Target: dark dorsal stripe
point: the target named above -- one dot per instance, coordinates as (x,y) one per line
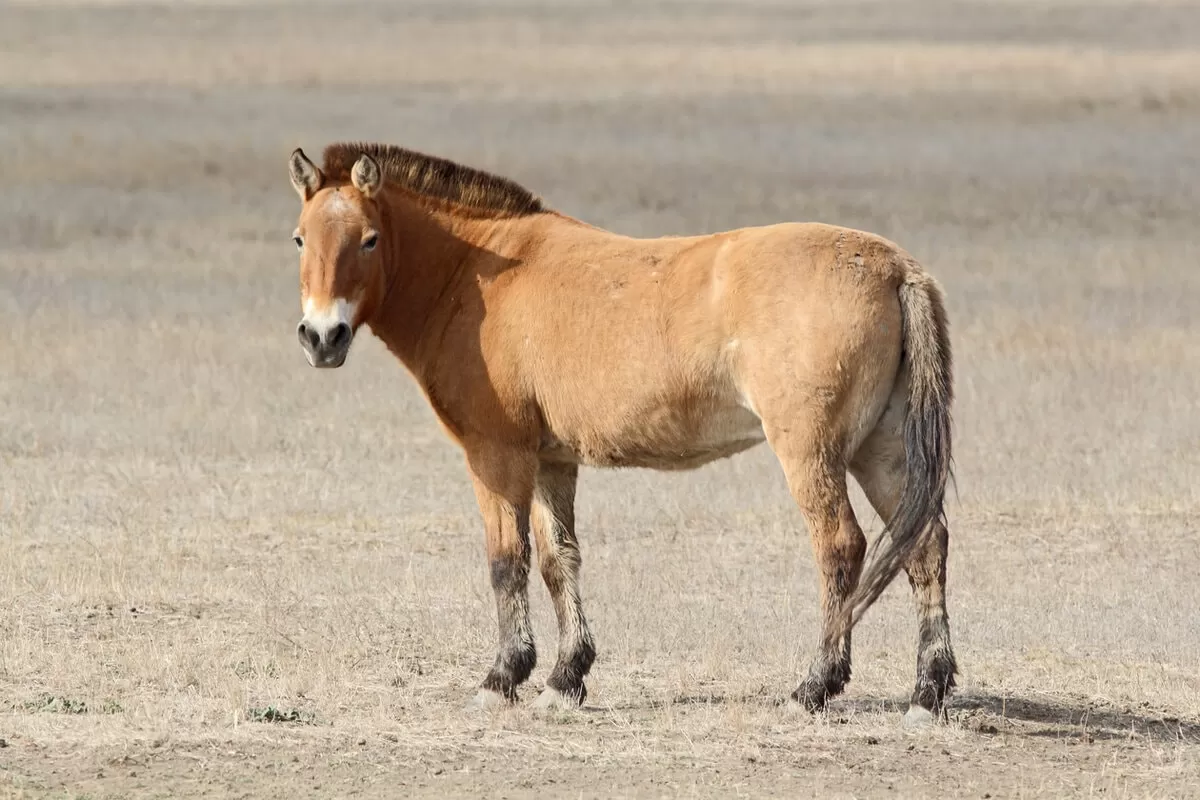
(434,177)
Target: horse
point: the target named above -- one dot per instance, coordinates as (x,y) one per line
(544,344)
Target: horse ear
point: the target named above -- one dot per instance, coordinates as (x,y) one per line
(366,176)
(306,178)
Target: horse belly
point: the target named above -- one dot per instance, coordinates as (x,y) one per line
(661,440)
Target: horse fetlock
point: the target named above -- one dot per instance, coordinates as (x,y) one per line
(935,682)
(512,668)
(572,667)
(813,695)
(502,684)
(824,682)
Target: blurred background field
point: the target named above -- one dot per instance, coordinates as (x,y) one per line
(223,572)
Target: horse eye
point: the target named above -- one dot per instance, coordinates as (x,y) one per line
(299,242)
(369,243)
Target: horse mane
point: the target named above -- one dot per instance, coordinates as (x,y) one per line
(434,177)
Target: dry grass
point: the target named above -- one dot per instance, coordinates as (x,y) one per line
(223,572)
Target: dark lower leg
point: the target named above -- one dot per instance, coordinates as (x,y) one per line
(559,560)
(576,651)
(839,555)
(504,489)
(827,677)
(515,657)
(936,666)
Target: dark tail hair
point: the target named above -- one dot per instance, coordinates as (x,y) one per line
(926,443)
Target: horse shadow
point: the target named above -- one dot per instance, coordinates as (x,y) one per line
(992,714)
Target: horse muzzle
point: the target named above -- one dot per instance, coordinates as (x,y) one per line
(325,347)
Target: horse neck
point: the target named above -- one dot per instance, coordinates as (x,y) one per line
(432,250)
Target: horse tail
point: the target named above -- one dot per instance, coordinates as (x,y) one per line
(928,465)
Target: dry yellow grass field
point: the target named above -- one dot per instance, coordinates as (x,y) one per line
(223,573)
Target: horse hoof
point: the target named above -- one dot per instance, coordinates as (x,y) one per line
(552,699)
(486,700)
(812,698)
(918,717)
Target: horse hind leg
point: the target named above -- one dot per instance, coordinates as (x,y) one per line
(816,476)
(879,467)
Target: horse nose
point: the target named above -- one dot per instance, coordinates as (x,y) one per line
(310,339)
(337,336)
(325,347)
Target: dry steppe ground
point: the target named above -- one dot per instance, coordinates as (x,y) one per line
(223,573)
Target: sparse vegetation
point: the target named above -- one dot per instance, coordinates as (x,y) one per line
(273,714)
(57,705)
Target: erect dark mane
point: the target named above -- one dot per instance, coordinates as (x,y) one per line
(434,177)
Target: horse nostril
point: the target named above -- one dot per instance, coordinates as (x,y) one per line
(338,336)
(308,337)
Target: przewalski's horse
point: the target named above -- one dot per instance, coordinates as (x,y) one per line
(545,344)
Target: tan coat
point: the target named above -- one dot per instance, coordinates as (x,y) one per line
(544,344)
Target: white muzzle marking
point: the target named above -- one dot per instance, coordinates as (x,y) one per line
(317,326)
(323,320)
